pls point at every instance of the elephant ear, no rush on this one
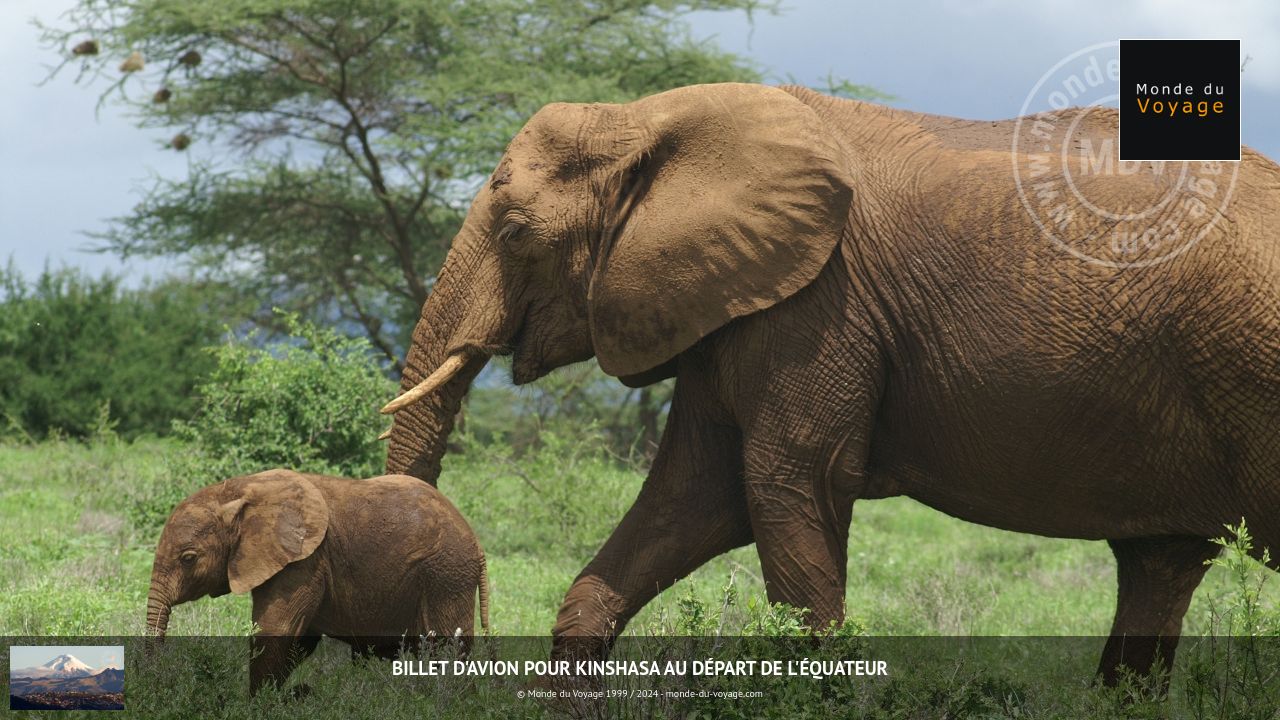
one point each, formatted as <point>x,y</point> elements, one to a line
<point>733,201</point>
<point>276,517</point>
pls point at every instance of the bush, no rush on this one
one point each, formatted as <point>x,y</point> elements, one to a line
<point>309,403</point>
<point>1232,669</point>
<point>71,345</point>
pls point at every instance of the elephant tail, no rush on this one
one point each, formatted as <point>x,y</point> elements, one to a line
<point>483,592</point>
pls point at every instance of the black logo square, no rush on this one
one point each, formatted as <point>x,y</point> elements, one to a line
<point>1179,99</point>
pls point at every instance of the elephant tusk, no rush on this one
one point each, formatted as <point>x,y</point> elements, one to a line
<point>442,375</point>
<point>386,433</point>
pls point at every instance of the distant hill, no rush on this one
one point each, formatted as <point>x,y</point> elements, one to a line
<point>109,680</point>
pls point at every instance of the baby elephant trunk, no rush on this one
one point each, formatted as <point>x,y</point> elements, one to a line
<point>157,614</point>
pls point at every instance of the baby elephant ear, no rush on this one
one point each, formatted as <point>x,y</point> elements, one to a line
<point>276,517</point>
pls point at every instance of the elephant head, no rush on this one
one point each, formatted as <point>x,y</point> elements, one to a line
<point>627,232</point>
<point>232,537</point>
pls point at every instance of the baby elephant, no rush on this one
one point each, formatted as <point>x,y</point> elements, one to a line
<point>364,561</point>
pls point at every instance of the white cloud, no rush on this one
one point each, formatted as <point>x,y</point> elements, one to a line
<point>1255,22</point>
<point>65,170</point>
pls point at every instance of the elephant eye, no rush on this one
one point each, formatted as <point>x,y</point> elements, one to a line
<point>188,557</point>
<point>509,233</point>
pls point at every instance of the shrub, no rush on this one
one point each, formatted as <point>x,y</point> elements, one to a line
<point>309,403</point>
<point>1232,669</point>
<point>71,345</point>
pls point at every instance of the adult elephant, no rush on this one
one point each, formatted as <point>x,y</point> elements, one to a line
<point>855,304</point>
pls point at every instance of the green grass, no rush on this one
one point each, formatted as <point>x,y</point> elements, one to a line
<point>77,528</point>
<point>73,561</point>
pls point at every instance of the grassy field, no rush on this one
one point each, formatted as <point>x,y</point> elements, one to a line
<point>78,523</point>
<point>74,561</point>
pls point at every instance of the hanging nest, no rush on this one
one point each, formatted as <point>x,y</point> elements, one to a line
<point>162,96</point>
<point>180,142</point>
<point>190,58</point>
<point>133,63</point>
<point>88,47</point>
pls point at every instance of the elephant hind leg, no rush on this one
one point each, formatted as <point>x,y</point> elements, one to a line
<point>450,614</point>
<point>802,540</point>
<point>1156,578</point>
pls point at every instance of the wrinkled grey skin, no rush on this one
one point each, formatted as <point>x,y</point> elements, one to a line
<point>365,561</point>
<point>855,304</point>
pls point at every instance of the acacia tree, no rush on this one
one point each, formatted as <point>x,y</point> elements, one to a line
<point>336,142</point>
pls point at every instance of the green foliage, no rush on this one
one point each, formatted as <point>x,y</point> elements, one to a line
<point>69,560</point>
<point>1244,608</point>
<point>361,126</point>
<point>763,630</point>
<point>309,405</point>
<point>774,619</point>
<point>1234,670</point>
<point>77,352</point>
<point>190,677</point>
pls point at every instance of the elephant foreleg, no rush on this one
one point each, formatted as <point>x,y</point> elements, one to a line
<point>1156,578</point>
<point>283,608</point>
<point>276,656</point>
<point>690,509</point>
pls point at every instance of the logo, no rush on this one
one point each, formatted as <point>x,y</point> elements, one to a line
<point>1180,99</point>
<point>1082,196</point>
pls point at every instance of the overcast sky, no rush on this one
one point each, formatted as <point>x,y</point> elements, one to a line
<point>95,656</point>
<point>65,172</point>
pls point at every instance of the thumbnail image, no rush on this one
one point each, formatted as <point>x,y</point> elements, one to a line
<point>62,677</point>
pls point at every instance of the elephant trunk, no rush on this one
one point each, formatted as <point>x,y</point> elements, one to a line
<point>451,344</point>
<point>157,614</point>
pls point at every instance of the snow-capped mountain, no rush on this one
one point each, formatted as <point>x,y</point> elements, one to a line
<point>63,666</point>
<point>68,665</point>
